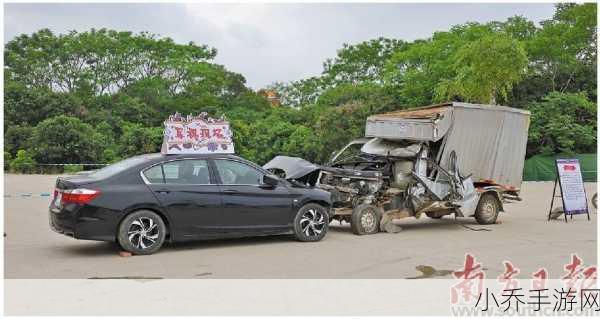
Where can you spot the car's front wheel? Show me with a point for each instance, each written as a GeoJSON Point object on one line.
{"type": "Point", "coordinates": [142, 232]}
{"type": "Point", "coordinates": [366, 219]}
{"type": "Point", "coordinates": [311, 222]}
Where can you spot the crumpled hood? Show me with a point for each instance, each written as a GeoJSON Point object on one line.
{"type": "Point", "coordinates": [294, 167]}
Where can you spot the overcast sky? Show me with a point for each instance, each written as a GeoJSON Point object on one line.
{"type": "Point", "coordinates": [266, 42]}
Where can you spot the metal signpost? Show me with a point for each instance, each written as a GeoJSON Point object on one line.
{"type": "Point", "coordinates": [572, 190]}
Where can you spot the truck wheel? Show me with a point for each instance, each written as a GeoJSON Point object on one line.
{"type": "Point", "coordinates": [142, 232]}
{"type": "Point", "coordinates": [365, 219]}
{"type": "Point", "coordinates": [311, 222]}
{"type": "Point", "coordinates": [487, 209]}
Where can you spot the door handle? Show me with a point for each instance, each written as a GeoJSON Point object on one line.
{"type": "Point", "coordinates": [230, 191]}
{"type": "Point", "coordinates": [163, 191]}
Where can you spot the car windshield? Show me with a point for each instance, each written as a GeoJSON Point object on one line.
{"type": "Point", "coordinates": [348, 153]}
{"type": "Point", "coordinates": [118, 167]}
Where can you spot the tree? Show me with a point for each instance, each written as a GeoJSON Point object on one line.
{"type": "Point", "coordinates": [565, 46]}
{"type": "Point", "coordinates": [17, 137]}
{"type": "Point", "coordinates": [300, 93]}
{"type": "Point", "coordinates": [137, 140]}
{"type": "Point", "coordinates": [361, 63]}
{"type": "Point", "coordinates": [485, 70]}
{"type": "Point", "coordinates": [101, 60]}
{"type": "Point", "coordinates": [65, 139]}
{"type": "Point", "coordinates": [29, 106]}
{"type": "Point", "coordinates": [562, 123]}
{"type": "Point", "coordinates": [102, 95]}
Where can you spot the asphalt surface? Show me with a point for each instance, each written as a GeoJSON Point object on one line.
{"type": "Point", "coordinates": [425, 248]}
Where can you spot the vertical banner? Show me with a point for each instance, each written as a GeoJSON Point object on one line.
{"type": "Point", "coordinates": [197, 135]}
{"type": "Point", "coordinates": [571, 186]}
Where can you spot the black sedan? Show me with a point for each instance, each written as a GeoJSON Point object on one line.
{"type": "Point", "coordinates": [144, 200]}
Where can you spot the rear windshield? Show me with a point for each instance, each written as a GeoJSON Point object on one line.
{"type": "Point", "coordinates": [121, 166]}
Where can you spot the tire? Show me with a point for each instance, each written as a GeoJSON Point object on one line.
{"type": "Point", "coordinates": [487, 209]}
{"type": "Point", "coordinates": [595, 200]}
{"type": "Point", "coordinates": [142, 232]}
{"type": "Point", "coordinates": [365, 219]}
{"type": "Point", "coordinates": [311, 222]}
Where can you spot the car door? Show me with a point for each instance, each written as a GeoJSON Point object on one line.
{"type": "Point", "coordinates": [248, 205]}
{"type": "Point", "coordinates": [190, 195]}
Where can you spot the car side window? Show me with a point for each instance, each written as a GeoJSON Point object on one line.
{"type": "Point", "coordinates": [236, 173]}
{"type": "Point", "coordinates": [154, 175]}
{"type": "Point", "coordinates": [179, 172]}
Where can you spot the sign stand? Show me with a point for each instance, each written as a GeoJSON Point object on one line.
{"type": "Point", "coordinates": [556, 182]}
{"type": "Point", "coordinates": [572, 190]}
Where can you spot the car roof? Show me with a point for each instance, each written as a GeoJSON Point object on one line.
{"type": "Point", "coordinates": [217, 155]}
{"type": "Point", "coordinates": [159, 157]}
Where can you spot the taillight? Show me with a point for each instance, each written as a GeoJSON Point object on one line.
{"type": "Point", "coordinates": [78, 195]}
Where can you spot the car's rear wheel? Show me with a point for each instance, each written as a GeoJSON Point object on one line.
{"type": "Point", "coordinates": [142, 232]}
{"type": "Point", "coordinates": [487, 209]}
{"type": "Point", "coordinates": [311, 222]}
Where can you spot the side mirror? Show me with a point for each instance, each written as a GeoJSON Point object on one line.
{"type": "Point", "coordinates": [270, 181]}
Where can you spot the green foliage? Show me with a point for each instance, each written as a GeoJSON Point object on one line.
{"type": "Point", "coordinates": [562, 123]}
{"type": "Point", "coordinates": [71, 169]}
{"type": "Point", "coordinates": [17, 137]}
{"type": "Point", "coordinates": [23, 162]}
{"type": "Point", "coordinates": [137, 139]}
{"type": "Point", "coordinates": [65, 139]}
{"type": "Point", "coordinates": [100, 60]}
{"type": "Point", "coordinates": [102, 95]}
{"type": "Point", "coordinates": [485, 70]}
{"type": "Point", "coordinates": [361, 63]}
{"type": "Point", "coordinates": [7, 160]}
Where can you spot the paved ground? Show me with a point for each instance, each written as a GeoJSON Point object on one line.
{"type": "Point", "coordinates": [524, 237]}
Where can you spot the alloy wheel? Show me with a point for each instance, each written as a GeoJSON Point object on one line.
{"type": "Point", "coordinates": [143, 232]}
{"type": "Point", "coordinates": [312, 222]}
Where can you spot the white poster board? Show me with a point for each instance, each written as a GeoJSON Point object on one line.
{"type": "Point", "coordinates": [571, 186]}
{"type": "Point", "coordinates": [197, 135]}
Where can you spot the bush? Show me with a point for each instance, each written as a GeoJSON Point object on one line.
{"type": "Point", "coordinates": [65, 139]}
{"type": "Point", "coordinates": [562, 123]}
{"type": "Point", "coordinates": [23, 162]}
{"type": "Point", "coordinates": [7, 159]}
{"type": "Point", "coordinates": [137, 140]}
{"type": "Point", "coordinates": [70, 169]}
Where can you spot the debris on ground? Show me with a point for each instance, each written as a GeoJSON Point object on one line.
{"type": "Point", "coordinates": [556, 212]}
{"type": "Point", "coordinates": [203, 274]}
{"type": "Point", "coordinates": [429, 272]}
{"type": "Point", "coordinates": [125, 254]}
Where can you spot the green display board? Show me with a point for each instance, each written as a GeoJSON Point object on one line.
{"type": "Point", "coordinates": [543, 167]}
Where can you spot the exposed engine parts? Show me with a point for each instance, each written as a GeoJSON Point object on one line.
{"type": "Point", "coordinates": [413, 162]}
